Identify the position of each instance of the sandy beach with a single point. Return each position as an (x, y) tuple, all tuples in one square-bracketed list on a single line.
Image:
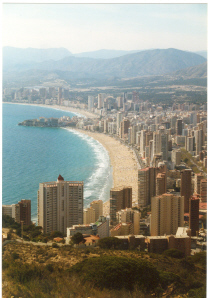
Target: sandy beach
[(123, 163), (121, 157)]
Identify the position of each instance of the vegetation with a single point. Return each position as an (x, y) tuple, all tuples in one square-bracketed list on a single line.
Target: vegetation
[(78, 238), (109, 242), (191, 162), (174, 253), (44, 271)]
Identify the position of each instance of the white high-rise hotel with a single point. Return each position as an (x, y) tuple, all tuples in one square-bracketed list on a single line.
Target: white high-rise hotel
[(60, 205)]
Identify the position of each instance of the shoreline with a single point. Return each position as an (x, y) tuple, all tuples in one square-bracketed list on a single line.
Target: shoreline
[(123, 162), (122, 159), (81, 112)]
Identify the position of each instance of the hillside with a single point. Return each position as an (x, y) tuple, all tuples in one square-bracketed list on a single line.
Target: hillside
[(44, 271), (13, 56), (145, 63), (198, 71)]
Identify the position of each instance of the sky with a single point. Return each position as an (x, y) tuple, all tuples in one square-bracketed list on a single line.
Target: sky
[(91, 27)]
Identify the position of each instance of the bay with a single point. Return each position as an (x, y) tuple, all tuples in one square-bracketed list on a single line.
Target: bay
[(31, 155)]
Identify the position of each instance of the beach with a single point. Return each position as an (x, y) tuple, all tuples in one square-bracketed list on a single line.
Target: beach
[(122, 158), (123, 162)]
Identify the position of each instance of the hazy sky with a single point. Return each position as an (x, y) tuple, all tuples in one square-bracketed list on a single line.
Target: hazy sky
[(89, 27)]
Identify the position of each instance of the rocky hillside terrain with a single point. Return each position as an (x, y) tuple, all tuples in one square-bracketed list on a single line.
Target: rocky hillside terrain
[(40, 270)]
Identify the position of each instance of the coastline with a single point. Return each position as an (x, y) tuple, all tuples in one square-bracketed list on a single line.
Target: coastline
[(122, 158), (61, 108), (123, 162)]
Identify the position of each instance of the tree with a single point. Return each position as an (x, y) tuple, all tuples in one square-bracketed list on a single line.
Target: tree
[(78, 238), (109, 242), (55, 234)]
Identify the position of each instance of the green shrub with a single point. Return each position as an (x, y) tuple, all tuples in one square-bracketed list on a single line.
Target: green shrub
[(198, 258), (15, 256), (118, 272), (197, 293), (174, 253), (55, 245), (50, 267), (109, 242), (24, 272), (166, 278)]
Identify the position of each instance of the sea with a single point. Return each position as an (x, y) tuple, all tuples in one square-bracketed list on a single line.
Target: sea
[(32, 155)]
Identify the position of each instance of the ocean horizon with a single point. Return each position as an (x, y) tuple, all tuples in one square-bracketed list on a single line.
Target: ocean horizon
[(32, 155)]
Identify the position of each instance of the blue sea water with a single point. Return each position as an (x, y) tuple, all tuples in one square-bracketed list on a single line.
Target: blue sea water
[(31, 155)]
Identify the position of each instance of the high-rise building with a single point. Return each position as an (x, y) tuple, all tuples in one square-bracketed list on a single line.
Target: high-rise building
[(88, 216), (203, 190), (21, 212), (97, 205), (120, 198), (176, 157), (190, 144), (60, 205), (179, 126), (59, 95), (197, 178), (143, 187), (164, 145), (119, 119), (90, 102), (66, 93), (101, 97), (124, 125), (147, 183), (160, 184), (198, 140), (167, 214), (129, 215), (186, 187), (194, 215)]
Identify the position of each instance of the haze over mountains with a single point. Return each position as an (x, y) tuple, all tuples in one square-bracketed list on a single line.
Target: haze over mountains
[(61, 63)]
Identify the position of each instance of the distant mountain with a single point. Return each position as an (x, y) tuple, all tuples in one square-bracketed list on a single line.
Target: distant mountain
[(105, 54), (198, 71), (202, 53), (13, 56), (144, 63), (151, 62)]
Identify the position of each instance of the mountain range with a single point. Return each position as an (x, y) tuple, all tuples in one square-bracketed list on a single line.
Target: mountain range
[(63, 64)]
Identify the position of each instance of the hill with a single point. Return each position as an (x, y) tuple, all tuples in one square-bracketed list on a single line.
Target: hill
[(44, 271), (13, 56), (145, 63), (198, 71)]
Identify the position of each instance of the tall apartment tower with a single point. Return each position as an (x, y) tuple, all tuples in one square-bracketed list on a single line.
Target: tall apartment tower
[(25, 212), (167, 214), (59, 95), (186, 187), (90, 102), (124, 125), (203, 190), (97, 205), (120, 198), (128, 215), (198, 140), (194, 215), (88, 216), (101, 97), (179, 127), (197, 179), (60, 205), (160, 184), (20, 211), (143, 187)]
